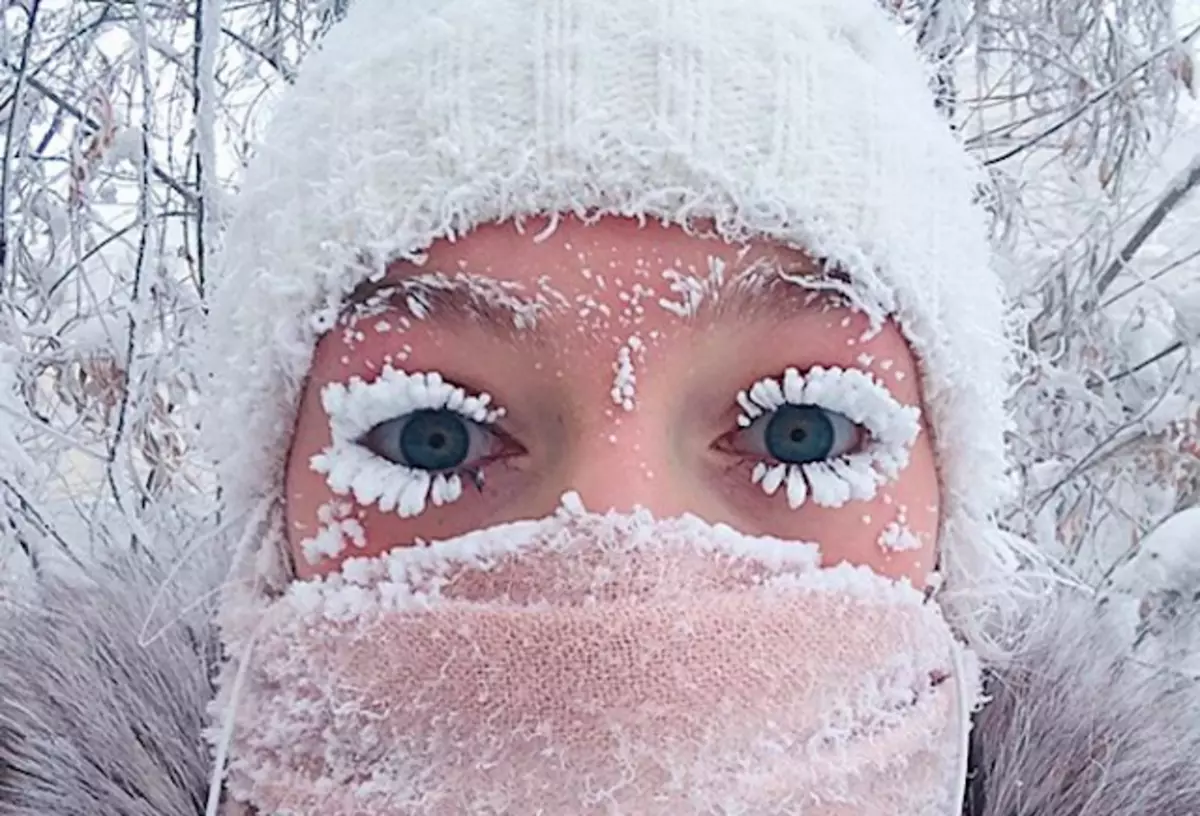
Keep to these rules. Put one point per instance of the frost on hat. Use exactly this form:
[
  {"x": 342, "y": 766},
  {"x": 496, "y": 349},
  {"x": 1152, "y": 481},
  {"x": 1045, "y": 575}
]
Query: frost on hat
[{"x": 807, "y": 122}]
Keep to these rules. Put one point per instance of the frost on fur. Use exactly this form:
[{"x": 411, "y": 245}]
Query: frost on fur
[
  {"x": 856, "y": 395},
  {"x": 358, "y": 406}
]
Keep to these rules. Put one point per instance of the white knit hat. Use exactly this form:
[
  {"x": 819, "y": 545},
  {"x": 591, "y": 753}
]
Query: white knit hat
[{"x": 808, "y": 122}]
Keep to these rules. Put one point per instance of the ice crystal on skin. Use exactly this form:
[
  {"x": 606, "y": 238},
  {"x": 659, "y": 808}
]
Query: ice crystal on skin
[
  {"x": 625, "y": 379},
  {"x": 351, "y": 336},
  {"x": 632, "y": 311},
  {"x": 716, "y": 271},
  {"x": 571, "y": 504},
  {"x": 330, "y": 512},
  {"x": 896, "y": 537},
  {"x": 892, "y": 427},
  {"x": 357, "y": 406},
  {"x": 418, "y": 306},
  {"x": 332, "y": 539},
  {"x": 336, "y": 531},
  {"x": 691, "y": 289}
]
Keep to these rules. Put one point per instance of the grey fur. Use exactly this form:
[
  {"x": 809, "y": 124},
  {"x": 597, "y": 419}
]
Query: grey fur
[
  {"x": 1078, "y": 728},
  {"x": 94, "y": 724}
]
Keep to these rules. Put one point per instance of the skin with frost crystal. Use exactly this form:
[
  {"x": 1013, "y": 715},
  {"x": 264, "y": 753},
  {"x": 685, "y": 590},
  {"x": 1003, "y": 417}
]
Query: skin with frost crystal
[{"x": 762, "y": 405}]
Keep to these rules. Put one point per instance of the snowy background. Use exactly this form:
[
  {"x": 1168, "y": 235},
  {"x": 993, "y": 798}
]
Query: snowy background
[{"x": 125, "y": 125}]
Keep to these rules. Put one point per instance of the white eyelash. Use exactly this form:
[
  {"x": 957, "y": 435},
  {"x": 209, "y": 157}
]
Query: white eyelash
[
  {"x": 354, "y": 408},
  {"x": 860, "y": 398}
]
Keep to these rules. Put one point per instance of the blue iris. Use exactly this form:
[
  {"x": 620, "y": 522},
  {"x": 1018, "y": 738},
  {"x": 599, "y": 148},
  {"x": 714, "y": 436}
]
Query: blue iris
[
  {"x": 429, "y": 439},
  {"x": 797, "y": 434}
]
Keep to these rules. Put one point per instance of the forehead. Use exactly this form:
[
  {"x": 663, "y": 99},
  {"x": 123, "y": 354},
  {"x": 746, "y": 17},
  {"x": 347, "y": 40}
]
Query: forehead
[
  {"x": 610, "y": 273},
  {"x": 581, "y": 292},
  {"x": 606, "y": 247}
]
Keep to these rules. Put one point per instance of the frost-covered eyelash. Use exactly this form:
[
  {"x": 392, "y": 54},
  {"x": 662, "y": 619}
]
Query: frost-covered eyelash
[
  {"x": 354, "y": 408},
  {"x": 859, "y": 397}
]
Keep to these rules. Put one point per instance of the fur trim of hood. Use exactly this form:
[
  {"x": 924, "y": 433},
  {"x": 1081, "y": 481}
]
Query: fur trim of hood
[{"x": 103, "y": 705}]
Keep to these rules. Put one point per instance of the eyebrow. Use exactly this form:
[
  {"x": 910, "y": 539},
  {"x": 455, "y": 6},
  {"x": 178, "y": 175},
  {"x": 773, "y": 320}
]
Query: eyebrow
[
  {"x": 762, "y": 292},
  {"x": 499, "y": 308},
  {"x": 781, "y": 295},
  {"x": 771, "y": 290}
]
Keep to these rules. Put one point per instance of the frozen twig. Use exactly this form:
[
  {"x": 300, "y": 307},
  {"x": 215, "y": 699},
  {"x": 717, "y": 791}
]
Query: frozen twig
[
  {"x": 139, "y": 272},
  {"x": 1157, "y": 275},
  {"x": 15, "y": 107},
  {"x": 1176, "y": 192},
  {"x": 1094, "y": 99},
  {"x": 1178, "y": 345},
  {"x": 58, "y": 99},
  {"x": 207, "y": 27},
  {"x": 1116, "y": 440}
]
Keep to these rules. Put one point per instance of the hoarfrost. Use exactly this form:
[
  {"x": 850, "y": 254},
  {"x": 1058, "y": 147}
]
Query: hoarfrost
[
  {"x": 354, "y": 408},
  {"x": 897, "y": 537},
  {"x": 689, "y": 290},
  {"x": 336, "y": 531},
  {"x": 856, "y": 395},
  {"x": 624, "y": 386}
]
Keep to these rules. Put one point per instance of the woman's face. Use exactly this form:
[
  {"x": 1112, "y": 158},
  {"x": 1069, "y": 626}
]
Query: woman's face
[{"x": 617, "y": 354}]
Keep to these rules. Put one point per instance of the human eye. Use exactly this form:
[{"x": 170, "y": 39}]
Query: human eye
[
  {"x": 800, "y": 434},
  {"x": 828, "y": 435},
  {"x": 436, "y": 440},
  {"x": 407, "y": 439}
]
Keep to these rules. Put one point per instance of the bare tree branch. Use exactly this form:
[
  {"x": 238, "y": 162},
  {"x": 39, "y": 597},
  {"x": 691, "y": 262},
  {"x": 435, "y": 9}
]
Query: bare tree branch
[
  {"x": 1176, "y": 193},
  {"x": 179, "y": 187},
  {"x": 10, "y": 142},
  {"x": 1093, "y": 100}
]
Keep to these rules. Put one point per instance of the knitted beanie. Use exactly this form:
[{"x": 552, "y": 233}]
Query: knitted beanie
[{"x": 805, "y": 122}]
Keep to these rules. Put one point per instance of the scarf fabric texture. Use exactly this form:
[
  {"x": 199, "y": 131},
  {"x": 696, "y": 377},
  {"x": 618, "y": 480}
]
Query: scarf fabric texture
[
  {"x": 106, "y": 679},
  {"x": 599, "y": 664}
]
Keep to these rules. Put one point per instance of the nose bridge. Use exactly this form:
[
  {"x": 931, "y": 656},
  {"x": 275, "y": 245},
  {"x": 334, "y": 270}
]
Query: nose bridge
[{"x": 619, "y": 469}]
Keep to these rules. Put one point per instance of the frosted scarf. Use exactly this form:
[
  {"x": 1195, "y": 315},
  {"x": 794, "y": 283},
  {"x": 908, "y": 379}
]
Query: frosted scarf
[{"x": 602, "y": 665}]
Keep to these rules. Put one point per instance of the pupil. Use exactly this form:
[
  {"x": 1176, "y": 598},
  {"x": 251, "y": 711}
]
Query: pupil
[
  {"x": 435, "y": 440},
  {"x": 798, "y": 434}
]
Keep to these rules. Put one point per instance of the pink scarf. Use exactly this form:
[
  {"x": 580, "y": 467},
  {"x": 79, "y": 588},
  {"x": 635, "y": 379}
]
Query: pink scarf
[{"x": 600, "y": 665}]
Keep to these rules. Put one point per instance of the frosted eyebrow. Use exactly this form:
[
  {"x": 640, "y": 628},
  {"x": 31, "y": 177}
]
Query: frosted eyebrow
[
  {"x": 501, "y": 308},
  {"x": 768, "y": 295},
  {"x": 447, "y": 299}
]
